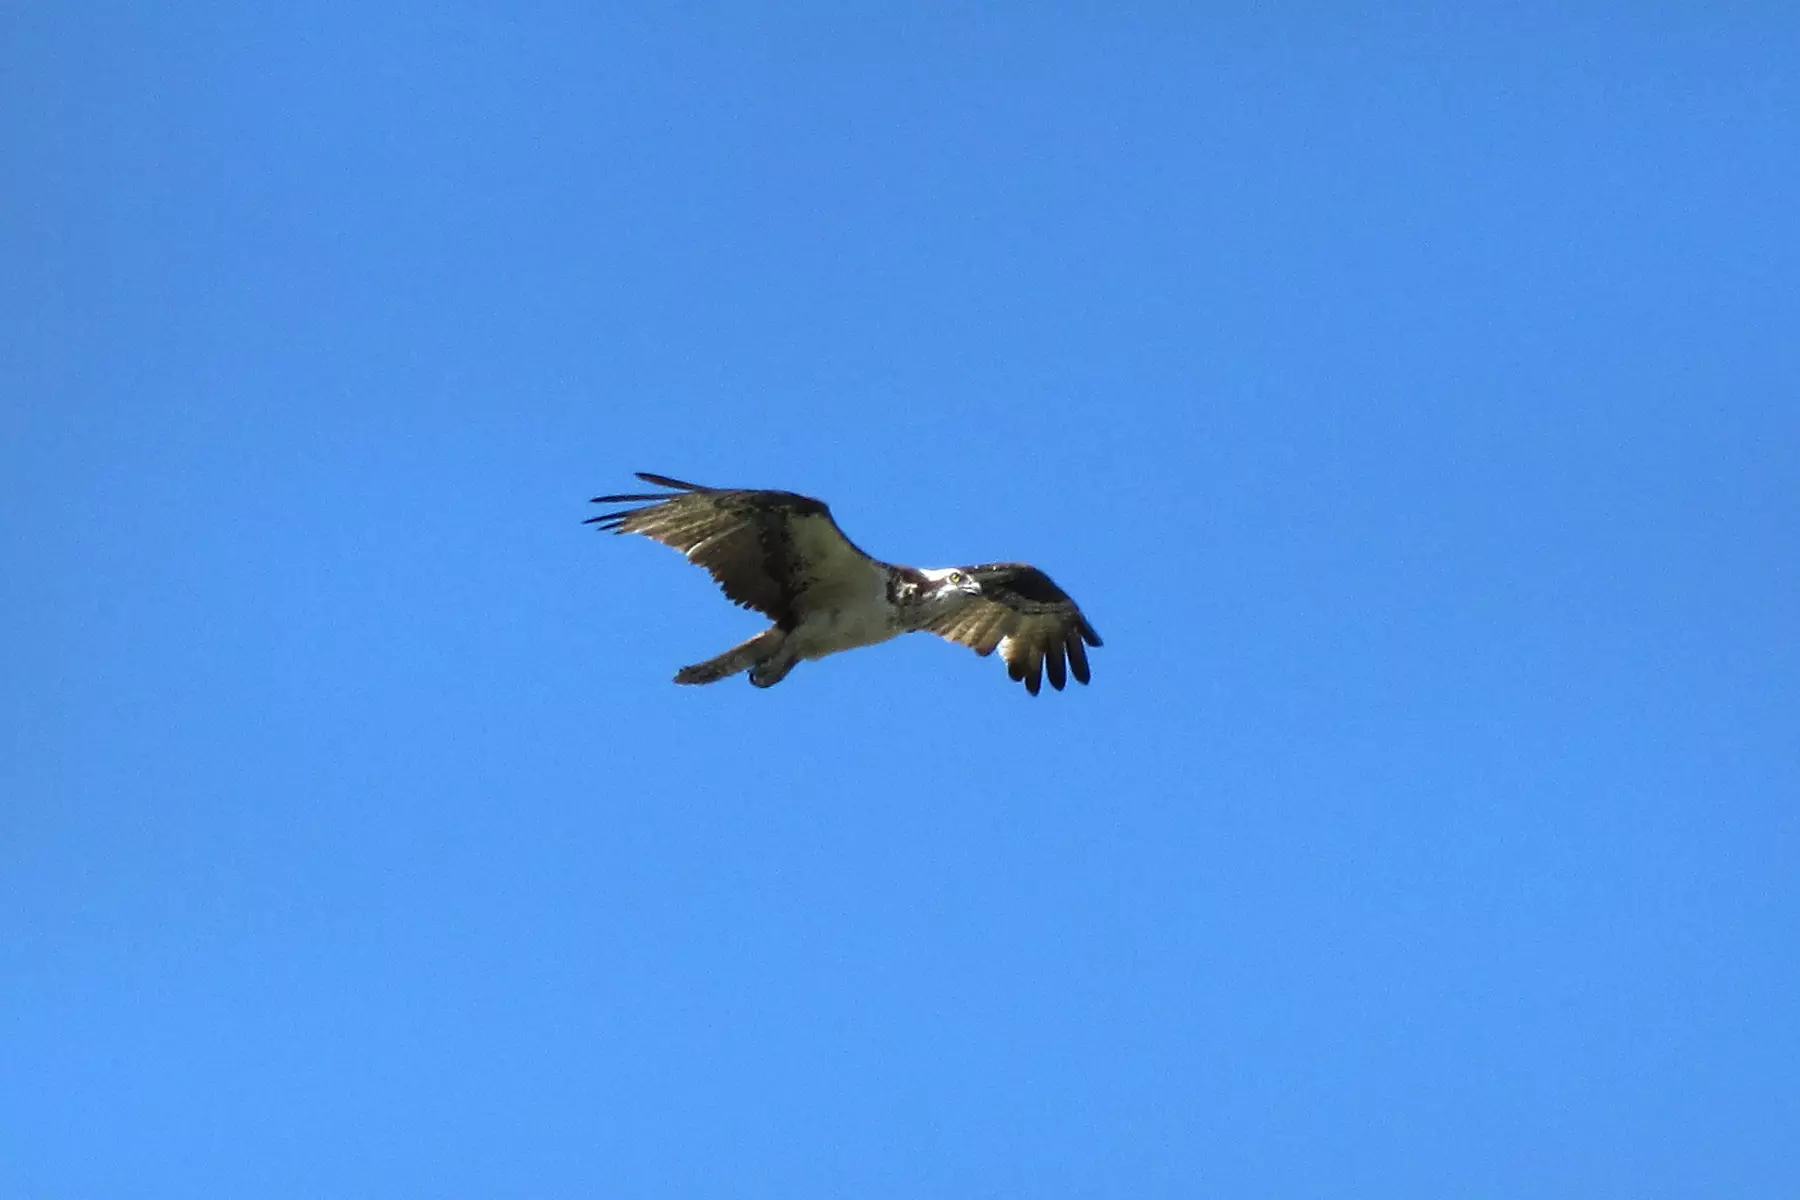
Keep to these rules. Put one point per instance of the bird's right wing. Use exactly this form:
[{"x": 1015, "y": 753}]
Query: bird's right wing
[{"x": 767, "y": 550}]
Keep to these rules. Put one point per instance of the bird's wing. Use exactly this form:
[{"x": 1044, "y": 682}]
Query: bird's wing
[
  {"x": 1032, "y": 622},
  {"x": 776, "y": 552}
]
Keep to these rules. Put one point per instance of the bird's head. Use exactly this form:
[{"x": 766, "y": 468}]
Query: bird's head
[{"x": 952, "y": 585}]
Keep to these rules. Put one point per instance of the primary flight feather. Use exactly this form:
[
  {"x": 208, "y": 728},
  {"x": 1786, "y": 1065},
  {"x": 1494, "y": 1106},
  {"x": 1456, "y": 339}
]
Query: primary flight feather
[{"x": 781, "y": 554}]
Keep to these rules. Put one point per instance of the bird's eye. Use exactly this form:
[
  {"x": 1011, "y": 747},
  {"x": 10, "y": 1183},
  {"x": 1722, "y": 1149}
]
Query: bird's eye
[{"x": 956, "y": 577}]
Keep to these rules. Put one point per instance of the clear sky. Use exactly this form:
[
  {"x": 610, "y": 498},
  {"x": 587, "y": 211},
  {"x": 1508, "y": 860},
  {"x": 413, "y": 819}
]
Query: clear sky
[{"x": 1409, "y": 394}]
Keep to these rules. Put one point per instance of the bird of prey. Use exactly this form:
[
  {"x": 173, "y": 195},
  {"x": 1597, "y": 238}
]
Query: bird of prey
[{"x": 781, "y": 554}]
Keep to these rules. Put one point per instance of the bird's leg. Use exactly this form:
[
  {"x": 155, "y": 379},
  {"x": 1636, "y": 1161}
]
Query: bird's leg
[
  {"x": 772, "y": 670},
  {"x": 740, "y": 657}
]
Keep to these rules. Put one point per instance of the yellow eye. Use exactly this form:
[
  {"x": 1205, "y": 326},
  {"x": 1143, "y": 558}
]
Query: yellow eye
[{"x": 956, "y": 577}]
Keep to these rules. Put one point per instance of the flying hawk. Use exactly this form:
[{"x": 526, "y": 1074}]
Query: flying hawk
[{"x": 781, "y": 554}]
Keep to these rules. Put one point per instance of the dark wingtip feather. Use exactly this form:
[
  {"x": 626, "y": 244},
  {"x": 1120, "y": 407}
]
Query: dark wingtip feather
[
  {"x": 629, "y": 498},
  {"x": 1088, "y": 634},
  {"x": 650, "y": 497},
  {"x": 1015, "y": 670},
  {"x": 1053, "y": 661},
  {"x": 1078, "y": 662},
  {"x": 665, "y": 481}
]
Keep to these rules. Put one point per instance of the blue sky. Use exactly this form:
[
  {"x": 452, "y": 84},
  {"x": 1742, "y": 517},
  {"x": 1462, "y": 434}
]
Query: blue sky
[{"x": 1408, "y": 396}]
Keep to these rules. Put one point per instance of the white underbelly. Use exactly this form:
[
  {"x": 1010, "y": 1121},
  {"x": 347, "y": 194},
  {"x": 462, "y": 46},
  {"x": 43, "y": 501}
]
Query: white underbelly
[{"x": 844, "y": 629}]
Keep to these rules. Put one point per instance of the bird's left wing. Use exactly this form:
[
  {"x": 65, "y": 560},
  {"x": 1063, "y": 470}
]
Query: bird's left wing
[{"x": 1032, "y": 622}]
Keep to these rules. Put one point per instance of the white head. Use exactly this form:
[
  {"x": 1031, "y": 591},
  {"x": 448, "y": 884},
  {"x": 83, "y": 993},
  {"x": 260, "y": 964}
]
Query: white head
[{"x": 950, "y": 586}]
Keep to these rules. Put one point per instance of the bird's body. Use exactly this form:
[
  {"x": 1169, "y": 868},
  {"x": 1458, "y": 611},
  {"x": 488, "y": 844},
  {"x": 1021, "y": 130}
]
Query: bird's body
[{"x": 781, "y": 554}]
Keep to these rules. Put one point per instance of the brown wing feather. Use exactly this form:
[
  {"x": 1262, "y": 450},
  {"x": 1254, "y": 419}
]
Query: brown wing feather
[
  {"x": 770, "y": 551},
  {"x": 1033, "y": 623}
]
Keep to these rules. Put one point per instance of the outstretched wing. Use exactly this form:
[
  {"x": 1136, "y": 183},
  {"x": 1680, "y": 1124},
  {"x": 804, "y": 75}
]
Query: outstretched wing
[
  {"x": 777, "y": 552},
  {"x": 1029, "y": 619}
]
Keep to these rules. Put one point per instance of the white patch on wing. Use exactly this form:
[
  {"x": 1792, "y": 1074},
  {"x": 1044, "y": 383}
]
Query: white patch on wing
[{"x": 700, "y": 546}]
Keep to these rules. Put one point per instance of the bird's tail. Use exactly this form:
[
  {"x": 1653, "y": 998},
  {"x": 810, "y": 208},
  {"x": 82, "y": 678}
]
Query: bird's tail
[{"x": 740, "y": 657}]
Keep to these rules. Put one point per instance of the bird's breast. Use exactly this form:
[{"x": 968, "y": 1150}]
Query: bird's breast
[{"x": 844, "y": 628}]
